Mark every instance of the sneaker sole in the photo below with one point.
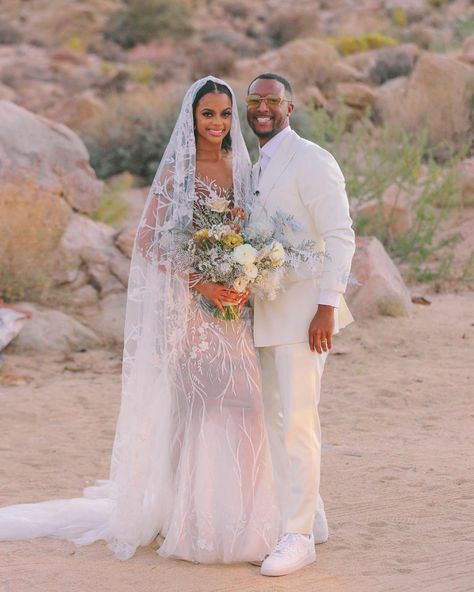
(295, 567)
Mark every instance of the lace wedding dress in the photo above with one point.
(190, 459)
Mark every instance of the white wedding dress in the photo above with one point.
(190, 459)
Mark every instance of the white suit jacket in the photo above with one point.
(304, 180)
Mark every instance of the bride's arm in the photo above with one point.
(153, 226)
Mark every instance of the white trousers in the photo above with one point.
(291, 376)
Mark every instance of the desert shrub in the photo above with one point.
(76, 43)
(132, 134)
(285, 25)
(463, 27)
(235, 9)
(237, 42)
(391, 65)
(212, 58)
(112, 208)
(399, 17)
(143, 73)
(140, 21)
(372, 160)
(348, 44)
(31, 226)
(8, 34)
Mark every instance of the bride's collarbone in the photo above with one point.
(220, 172)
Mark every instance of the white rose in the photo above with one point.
(217, 204)
(277, 253)
(251, 271)
(244, 254)
(240, 284)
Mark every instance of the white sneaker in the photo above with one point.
(320, 528)
(292, 552)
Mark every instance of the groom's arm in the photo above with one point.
(322, 189)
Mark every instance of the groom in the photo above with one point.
(294, 332)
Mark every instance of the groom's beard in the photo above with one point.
(278, 123)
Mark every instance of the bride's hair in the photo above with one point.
(214, 87)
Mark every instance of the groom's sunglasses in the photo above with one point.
(253, 101)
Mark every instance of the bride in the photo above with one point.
(190, 461)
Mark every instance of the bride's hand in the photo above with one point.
(244, 297)
(217, 293)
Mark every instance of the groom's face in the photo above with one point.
(265, 120)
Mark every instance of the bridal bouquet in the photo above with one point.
(225, 250)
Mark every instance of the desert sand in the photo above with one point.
(398, 481)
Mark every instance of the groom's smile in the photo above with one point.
(268, 108)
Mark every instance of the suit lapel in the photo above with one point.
(276, 167)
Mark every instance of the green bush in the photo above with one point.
(143, 20)
(112, 208)
(349, 44)
(374, 159)
(132, 135)
(399, 17)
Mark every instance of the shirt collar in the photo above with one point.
(270, 147)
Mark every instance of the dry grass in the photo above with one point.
(31, 226)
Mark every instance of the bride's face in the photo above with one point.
(213, 118)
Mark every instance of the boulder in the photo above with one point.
(7, 93)
(54, 331)
(83, 233)
(313, 97)
(378, 288)
(344, 72)
(438, 95)
(91, 245)
(424, 36)
(109, 322)
(85, 296)
(51, 152)
(303, 61)
(356, 94)
(393, 209)
(125, 239)
(77, 111)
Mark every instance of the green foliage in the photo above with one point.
(131, 136)
(144, 73)
(349, 44)
(463, 27)
(140, 21)
(76, 43)
(112, 208)
(399, 17)
(372, 162)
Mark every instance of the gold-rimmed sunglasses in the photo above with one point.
(253, 101)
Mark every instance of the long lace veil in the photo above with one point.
(131, 507)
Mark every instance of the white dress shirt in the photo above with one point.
(329, 297)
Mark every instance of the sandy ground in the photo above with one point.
(398, 479)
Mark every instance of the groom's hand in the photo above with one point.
(321, 329)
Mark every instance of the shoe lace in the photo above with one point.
(285, 542)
